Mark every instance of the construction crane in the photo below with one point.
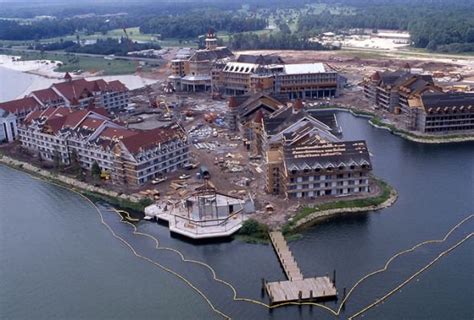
(138, 70)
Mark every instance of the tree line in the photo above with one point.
(119, 47)
(197, 23)
(438, 26)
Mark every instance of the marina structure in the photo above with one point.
(297, 288)
(204, 214)
(132, 157)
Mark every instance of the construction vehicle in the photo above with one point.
(158, 180)
(210, 117)
(105, 175)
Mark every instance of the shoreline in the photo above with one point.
(407, 135)
(317, 215)
(121, 201)
(309, 215)
(44, 74)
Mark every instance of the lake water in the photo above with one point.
(14, 83)
(57, 260)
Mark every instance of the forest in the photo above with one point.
(435, 25)
(197, 23)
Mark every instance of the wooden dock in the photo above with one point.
(296, 288)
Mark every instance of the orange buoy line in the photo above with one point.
(335, 312)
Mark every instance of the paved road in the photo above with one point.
(154, 60)
(410, 53)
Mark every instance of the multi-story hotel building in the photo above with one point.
(304, 157)
(438, 112)
(78, 93)
(305, 160)
(196, 73)
(390, 90)
(270, 74)
(88, 136)
(424, 105)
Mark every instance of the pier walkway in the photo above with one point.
(297, 288)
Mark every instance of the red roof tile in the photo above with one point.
(32, 115)
(55, 124)
(91, 123)
(116, 85)
(81, 88)
(150, 138)
(73, 119)
(46, 95)
(24, 104)
(117, 133)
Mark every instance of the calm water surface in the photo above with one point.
(58, 261)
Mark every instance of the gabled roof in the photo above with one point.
(46, 95)
(80, 88)
(19, 105)
(440, 101)
(211, 55)
(260, 59)
(308, 154)
(149, 139)
(248, 106)
(116, 133)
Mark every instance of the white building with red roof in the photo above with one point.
(111, 95)
(89, 136)
(78, 93)
(21, 107)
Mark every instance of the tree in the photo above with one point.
(95, 170)
(57, 159)
(75, 166)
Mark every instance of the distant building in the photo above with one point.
(304, 156)
(196, 73)
(390, 90)
(8, 126)
(270, 74)
(438, 112)
(79, 93)
(306, 160)
(424, 105)
(131, 157)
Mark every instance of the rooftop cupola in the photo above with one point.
(211, 40)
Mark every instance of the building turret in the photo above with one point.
(67, 77)
(211, 40)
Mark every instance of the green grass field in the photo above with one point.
(133, 33)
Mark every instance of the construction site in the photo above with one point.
(232, 166)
